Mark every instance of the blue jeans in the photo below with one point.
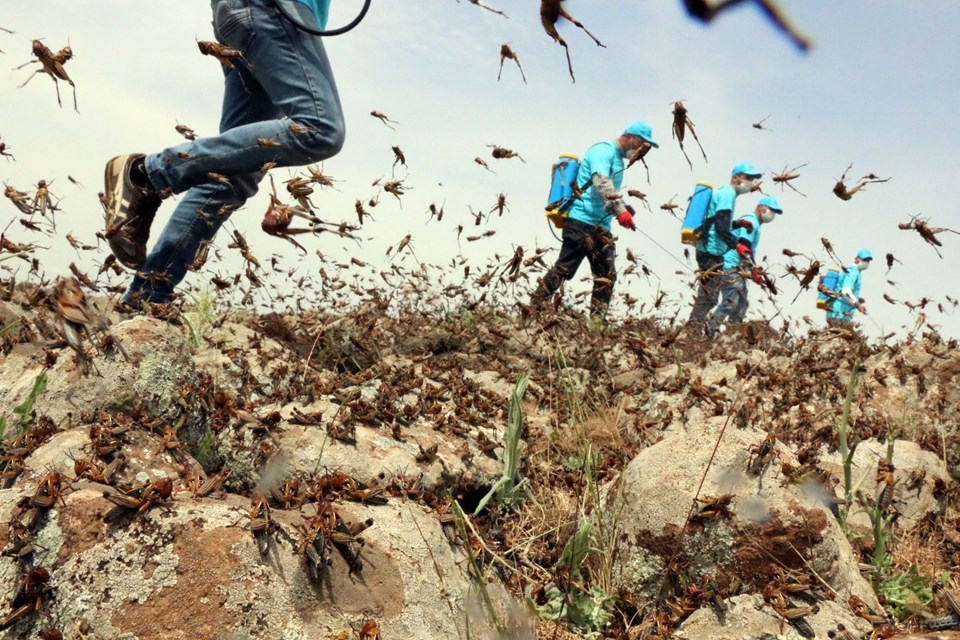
(284, 79)
(733, 300)
(708, 287)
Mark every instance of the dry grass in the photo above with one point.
(604, 428)
(546, 520)
(911, 549)
(547, 630)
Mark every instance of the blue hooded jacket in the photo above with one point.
(842, 309)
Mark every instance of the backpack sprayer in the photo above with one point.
(330, 32)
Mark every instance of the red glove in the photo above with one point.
(756, 276)
(744, 252)
(626, 220)
(743, 223)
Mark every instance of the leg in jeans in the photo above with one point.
(292, 69)
(602, 259)
(740, 310)
(733, 291)
(284, 93)
(708, 289)
(572, 253)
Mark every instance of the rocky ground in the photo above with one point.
(319, 476)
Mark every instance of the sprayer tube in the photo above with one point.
(331, 32)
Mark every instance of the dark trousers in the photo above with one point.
(708, 289)
(581, 241)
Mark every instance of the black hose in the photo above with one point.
(317, 32)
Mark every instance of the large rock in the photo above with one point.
(747, 617)
(377, 455)
(193, 571)
(916, 472)
(158, 368)
(770, 522)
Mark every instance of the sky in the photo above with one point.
(877, 90)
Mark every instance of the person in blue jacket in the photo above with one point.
(716, 239)
(586, 232)
(280, 108)
(849, 301)
(738, 264)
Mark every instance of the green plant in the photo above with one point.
(203, 315)
(586, 612)
(7, 328)
(847, 449)
(585, 608)
(907, 592)
(204, 446)
(510, 490)
(25, 409)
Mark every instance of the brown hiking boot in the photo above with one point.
(128, 211)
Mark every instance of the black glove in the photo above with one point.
(743, 223)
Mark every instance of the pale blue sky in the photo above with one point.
(879, 89)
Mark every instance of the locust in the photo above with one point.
(33, 592)
(761, 455)
(928, 233)
(483, 5)
(41, 202)
(550, 12)
(500, 205)
(396, 189)
(277, 219)
(20, 199)
(841, 191)
(669, 206)
(483, 163)
(808, 275)
(435, 212)
(318, 177)
(52, 64)
(5, 151)
(890, 260)
(706, 11)
(222, 53)
(263, 527)
(682, 122)
(501, 153)
(383, 118)
(638, 156)
(186, 131)
(139, 499)
(370, 631)
(785, 177)
(506, 53)
(759, 125)
(398, 156)
(633, 193)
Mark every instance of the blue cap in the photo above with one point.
(771, 203)
(865, 254)
(642, 129)
(746, 168)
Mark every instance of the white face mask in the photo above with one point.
(743, 187)
(863, 265)
(768, 216)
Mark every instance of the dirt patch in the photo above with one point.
(759, 545)
(81, 522)
(193, 609)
